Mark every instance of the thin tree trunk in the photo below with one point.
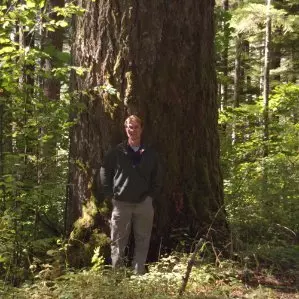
(267, 202)
(237, 73)
(51, 86)
(2, 190)
(47, 151)
(294, 76)
(53, 39)
(224, 86)
(267, 78)
(237, 83)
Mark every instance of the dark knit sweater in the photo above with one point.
(131, 176)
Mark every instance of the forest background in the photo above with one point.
(256, 46)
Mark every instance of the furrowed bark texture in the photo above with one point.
(159, 56)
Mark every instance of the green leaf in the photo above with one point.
(62, 23)
(30, 3)
(4, 40)
(80, 71)
(41, 4)
(5, 24)
(7, 49)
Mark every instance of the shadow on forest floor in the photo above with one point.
(286, 284)
(275, 268)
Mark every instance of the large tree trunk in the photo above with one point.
(160, 59)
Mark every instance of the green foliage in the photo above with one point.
(35, 129)
(224, 30)
(257, 208)
(261, 192)
(97, 260)
(249, 18)
(34, 133)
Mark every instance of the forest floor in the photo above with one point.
(270, 274)
(91, 285)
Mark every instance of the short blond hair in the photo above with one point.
(133, 118)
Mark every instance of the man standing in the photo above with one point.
(130, 177)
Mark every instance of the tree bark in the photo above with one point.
(266, 86)
(226, 32)
(2, 188)
(267, 201)
(160, 59)
(237, 72)
(54, 39)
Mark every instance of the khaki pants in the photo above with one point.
(125, 214)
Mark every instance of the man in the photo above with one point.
(130, 177)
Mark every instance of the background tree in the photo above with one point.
(160, 59)
(253, 196)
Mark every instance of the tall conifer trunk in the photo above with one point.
(55, 40)
(266, 86)
(160, 59)
(224, 56)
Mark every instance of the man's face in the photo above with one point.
(133, 130)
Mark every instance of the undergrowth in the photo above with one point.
(243, 278)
